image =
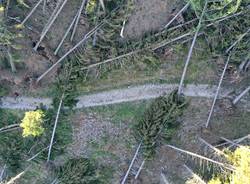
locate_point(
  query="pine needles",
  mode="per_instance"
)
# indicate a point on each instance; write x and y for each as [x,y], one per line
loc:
[159,120]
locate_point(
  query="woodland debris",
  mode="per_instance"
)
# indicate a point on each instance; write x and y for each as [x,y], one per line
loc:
[86,37]
[50,24]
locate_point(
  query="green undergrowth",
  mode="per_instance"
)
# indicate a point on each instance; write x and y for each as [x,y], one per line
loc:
[15,149]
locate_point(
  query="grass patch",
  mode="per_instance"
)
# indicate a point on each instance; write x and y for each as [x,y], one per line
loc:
[124,112]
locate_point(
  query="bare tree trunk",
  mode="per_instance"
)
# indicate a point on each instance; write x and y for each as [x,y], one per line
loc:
[191,49]
[54,129]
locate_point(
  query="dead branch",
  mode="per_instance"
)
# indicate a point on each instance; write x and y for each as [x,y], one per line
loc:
[196,177]
[102,4]
[232,143]
[55,125]
[112,59]
[9,127]
[212,147]
[235,141]
[50,24]
[139,170]
[77,20]
[217,91]
[226,166]
[12,64]
[122,30]
[172,20]
[31,12]
[243,93]
[131,164]
[13,180]
[37,154]
[44,6]
[191,49]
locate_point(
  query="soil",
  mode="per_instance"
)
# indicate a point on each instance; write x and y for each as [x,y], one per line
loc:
[149,16]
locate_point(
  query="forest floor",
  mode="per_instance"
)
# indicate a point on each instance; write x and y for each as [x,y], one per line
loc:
[110,105]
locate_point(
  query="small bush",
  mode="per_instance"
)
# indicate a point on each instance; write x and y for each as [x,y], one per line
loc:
[32,123]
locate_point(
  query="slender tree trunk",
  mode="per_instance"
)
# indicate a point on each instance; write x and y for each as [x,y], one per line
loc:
[54,129]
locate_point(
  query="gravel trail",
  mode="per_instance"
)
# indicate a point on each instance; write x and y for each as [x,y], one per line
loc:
[142,92]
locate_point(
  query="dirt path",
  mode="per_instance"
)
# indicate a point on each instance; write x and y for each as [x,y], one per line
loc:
[129,94]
